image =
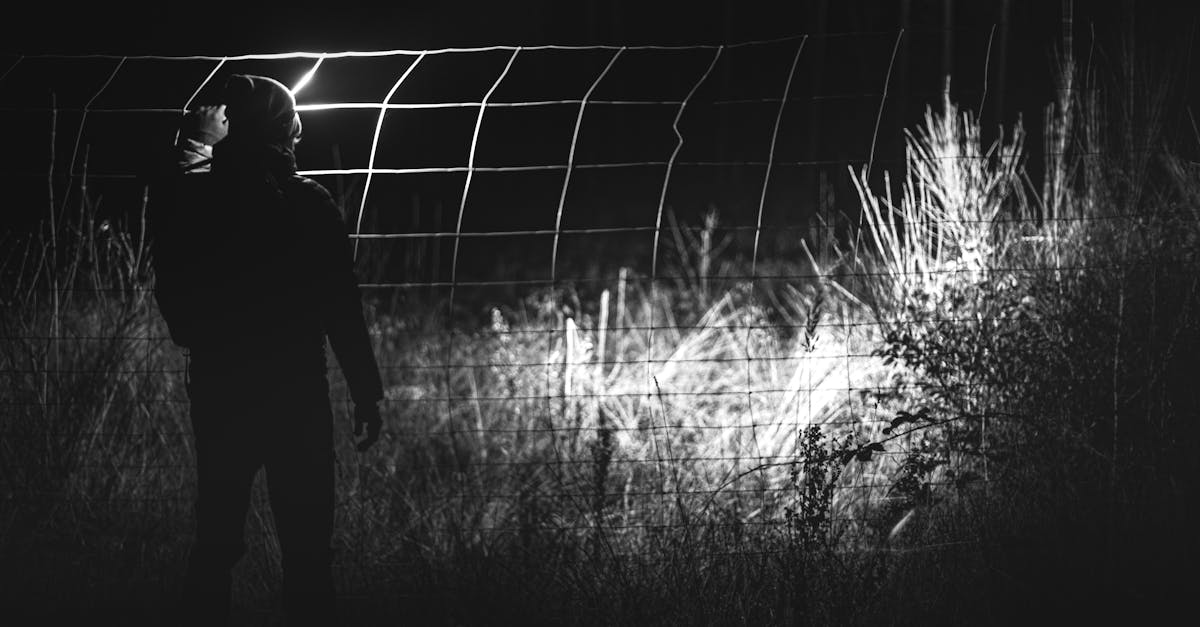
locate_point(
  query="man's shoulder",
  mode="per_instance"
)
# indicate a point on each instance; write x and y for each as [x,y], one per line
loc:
[310,193]
[310,189]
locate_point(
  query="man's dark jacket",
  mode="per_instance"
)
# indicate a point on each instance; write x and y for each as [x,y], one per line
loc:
[253,272]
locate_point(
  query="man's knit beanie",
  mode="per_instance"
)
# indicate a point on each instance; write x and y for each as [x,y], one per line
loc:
[260,110]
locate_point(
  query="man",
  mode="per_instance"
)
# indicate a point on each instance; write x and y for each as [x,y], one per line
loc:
[253,273]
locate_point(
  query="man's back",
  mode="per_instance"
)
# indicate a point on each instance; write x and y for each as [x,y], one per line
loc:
[251,272]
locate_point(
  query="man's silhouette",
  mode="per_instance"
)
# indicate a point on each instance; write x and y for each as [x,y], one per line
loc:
[253,273]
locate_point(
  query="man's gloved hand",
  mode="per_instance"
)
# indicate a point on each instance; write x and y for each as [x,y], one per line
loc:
[206,124]
[367,416]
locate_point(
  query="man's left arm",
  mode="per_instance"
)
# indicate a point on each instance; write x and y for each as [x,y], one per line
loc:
[346,326]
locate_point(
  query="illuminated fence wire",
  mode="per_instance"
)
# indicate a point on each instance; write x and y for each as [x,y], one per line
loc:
[493,364]
[637,389]
[631,396]
[1066,269]
[340,106]
[375,147]
[118,176]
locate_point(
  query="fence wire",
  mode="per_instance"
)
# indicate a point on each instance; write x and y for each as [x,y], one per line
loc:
[615,399]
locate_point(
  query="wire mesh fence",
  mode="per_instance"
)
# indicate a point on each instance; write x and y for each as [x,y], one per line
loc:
[574,344]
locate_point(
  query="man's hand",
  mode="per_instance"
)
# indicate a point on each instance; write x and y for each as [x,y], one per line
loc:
[206,124]
[367,416]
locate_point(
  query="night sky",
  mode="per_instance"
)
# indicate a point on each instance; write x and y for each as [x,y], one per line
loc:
[231,28]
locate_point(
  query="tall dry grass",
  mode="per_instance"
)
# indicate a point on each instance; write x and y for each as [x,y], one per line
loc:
[1049,327]
[554,460]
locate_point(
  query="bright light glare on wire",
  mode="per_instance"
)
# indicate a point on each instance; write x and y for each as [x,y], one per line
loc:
[307,76]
